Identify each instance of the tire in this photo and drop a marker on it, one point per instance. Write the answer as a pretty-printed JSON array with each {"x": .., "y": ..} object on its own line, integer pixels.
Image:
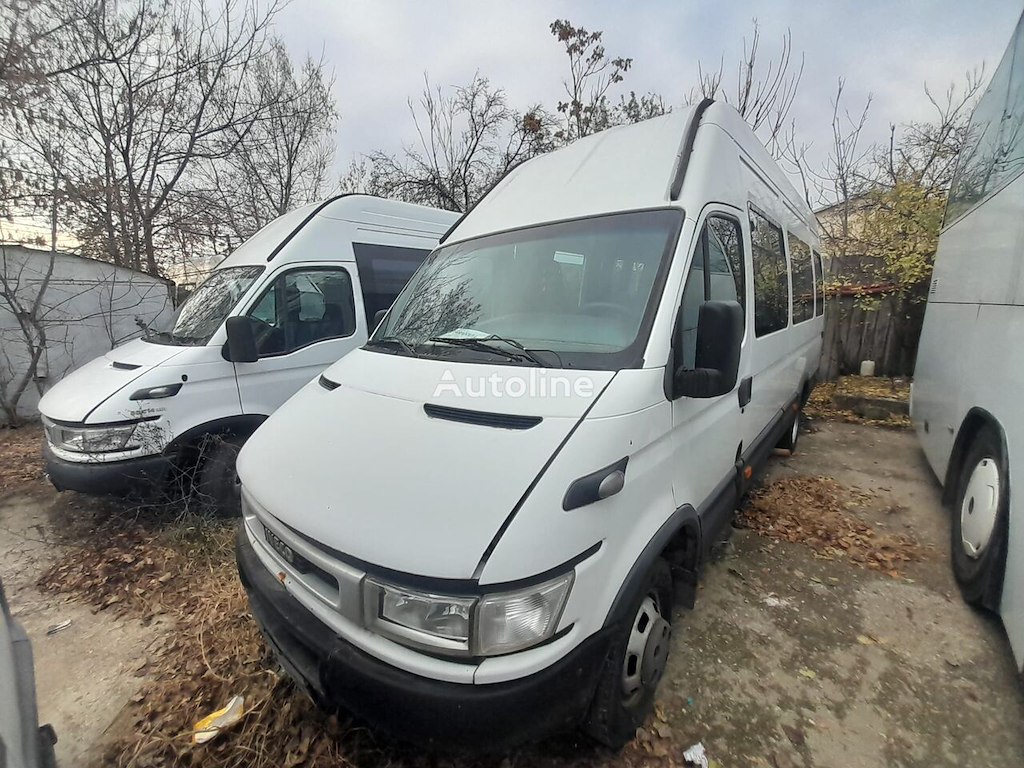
[
  {"x": 980, "y": 521},
  {"x": 789, "y": 440},
  {"x": 217, "y": 488},
  {"x": 622, "y": 700}
]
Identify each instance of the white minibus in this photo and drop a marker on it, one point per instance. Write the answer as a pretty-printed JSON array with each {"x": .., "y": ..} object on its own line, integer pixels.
[
  {"x": 472, "y": 530},
  {"x": 970, "y": 361},
  {"x": 291, "y": 300}
]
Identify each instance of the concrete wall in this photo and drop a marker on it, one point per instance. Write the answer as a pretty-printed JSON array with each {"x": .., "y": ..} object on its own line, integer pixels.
[{"x": 88, "y": 308}]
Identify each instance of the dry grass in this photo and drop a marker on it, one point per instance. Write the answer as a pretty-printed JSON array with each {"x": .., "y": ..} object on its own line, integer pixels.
[
  {"x": 821, "y": 404},
  {"x": 20, "y": 458},
  {"x": 156, "y": 563},
  {"x": 821, "y": 513}
]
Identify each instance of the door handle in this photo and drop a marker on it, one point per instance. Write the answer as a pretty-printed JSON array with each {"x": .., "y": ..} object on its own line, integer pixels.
[{"x": 744, "y": 391}]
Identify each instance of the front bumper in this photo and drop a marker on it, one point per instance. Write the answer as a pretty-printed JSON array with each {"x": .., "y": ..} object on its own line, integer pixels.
[
  {"x": 115, "y": 478},
  {"x": 490, "y": 717}
]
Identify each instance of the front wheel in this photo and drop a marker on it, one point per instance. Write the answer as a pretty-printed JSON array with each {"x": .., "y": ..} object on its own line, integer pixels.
[
  {"x": 635, "y": 662},
  {"x": 980, "y": 515},
  {"x": 217, "y": 487}
]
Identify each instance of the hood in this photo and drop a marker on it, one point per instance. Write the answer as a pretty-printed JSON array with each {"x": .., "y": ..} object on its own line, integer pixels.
[
  {"x": 366, "y": 469},
  {"x": 75, "y": 396}
]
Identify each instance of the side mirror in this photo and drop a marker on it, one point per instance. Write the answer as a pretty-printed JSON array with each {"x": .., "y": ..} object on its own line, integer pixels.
[
  {"x": 717, "y": 363},
  {"x": 241, "y": 346},
  {"x": 378, "y": 316}
]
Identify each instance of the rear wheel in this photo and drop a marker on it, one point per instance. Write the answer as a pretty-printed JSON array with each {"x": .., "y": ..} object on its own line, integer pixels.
[
  {"x": 635, "y": 662},
  {"x": 979, "y": 525},
  {"x": 788, "y": 441},
  {"x": 217, "y": 486}
]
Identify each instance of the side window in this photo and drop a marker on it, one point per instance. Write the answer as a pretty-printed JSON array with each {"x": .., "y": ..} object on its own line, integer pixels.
[
  {"x": 716, "y": 273},
  {"x": 302, "y": 307},
  {"x": 803, "y": 279},
  {"x": 383, "y": 272},
  {"x": 819, "y": 284},
  {"x": 771, "y": 276}
]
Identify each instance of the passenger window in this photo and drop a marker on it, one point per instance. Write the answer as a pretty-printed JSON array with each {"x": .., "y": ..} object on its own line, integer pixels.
[
  {"x": 303, "y": 307},
  {"x": 803, "y": 279},
  {"x": 383, "y": 272},
  {"x": 819, "y": 284},
  {"x": 716, "y": 273},
  {"x": 771, "y": 276}
]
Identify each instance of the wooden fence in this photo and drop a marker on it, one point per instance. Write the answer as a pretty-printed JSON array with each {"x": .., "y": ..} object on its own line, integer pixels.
[{"x": 879, "y": 330}]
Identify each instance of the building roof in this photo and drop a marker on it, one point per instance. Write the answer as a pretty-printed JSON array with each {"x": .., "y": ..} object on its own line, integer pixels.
[{"x": 41, "y": 252}]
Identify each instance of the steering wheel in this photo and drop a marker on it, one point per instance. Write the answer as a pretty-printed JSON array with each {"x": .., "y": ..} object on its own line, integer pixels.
[{"x": 605, "y": 308}]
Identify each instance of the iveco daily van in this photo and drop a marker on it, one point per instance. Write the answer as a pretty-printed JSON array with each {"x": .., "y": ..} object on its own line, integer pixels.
[
  {"x": 287, "y": 303},
  {"x": 474, "y": 527}
]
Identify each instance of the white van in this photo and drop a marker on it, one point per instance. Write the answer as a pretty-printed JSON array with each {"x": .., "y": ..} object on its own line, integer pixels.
[
  {"x": 475, "y": 527},
  {"x": 291, "y": 300}
]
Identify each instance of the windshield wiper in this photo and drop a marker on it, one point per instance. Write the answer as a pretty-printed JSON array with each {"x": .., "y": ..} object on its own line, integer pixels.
[
  {"x": 152, "y": 335},
  {"x": 402, "y": 344},
  {"x": 530, "y": 354},
  {"x": 481, "y": 345}
]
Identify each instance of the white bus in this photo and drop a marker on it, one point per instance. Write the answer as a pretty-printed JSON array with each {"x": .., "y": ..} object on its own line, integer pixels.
[{"x": 970, "y": 364}]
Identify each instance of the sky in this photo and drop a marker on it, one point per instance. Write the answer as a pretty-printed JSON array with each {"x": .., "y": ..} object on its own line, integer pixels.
[{"x": 379, "y": 51}]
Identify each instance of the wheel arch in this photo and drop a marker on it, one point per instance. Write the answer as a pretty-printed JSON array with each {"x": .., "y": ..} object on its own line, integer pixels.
[
  {"x": 806, "y": 388},
  {"x": 678, "y": 541},
  {"x": 977, "y": 418},
  {"x": 243, "y": 425}
]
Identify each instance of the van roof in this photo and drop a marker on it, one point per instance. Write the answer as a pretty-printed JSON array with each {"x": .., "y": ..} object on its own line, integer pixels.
[
  {"x": 373, "y": 215},
  {"x": 628, "y": 167}
]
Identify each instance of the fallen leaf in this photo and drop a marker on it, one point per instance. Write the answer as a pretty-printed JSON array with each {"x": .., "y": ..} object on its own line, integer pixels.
[{"x": 795, "y": 735}]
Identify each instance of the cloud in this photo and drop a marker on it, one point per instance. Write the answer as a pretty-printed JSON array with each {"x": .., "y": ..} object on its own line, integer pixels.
[{"x": 380, "y": 50}]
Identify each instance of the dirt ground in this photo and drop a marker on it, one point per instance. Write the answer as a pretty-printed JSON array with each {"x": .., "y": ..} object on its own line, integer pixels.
[
  {"x": 86, "y": 672},
  {"x": 792, "y": 657},
  {"x": 793, "y": 660}
]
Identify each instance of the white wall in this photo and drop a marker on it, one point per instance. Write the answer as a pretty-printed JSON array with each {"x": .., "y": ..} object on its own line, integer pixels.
[{"x": 88, "y": 308}]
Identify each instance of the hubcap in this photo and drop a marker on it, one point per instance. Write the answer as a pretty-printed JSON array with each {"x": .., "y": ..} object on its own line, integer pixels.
[
  {"x": 980, "y": 507},
  {"x": 646, "y": 650}
]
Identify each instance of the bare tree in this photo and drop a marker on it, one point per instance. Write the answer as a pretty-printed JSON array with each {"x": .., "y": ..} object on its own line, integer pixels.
[
  {"x": 282, "y": 159},
  {"x": 164, "y": 92},
  {"x": 592, "y": 75},
  {"x": 466, "y": 140},
  {"x": 764, "y": 91}
]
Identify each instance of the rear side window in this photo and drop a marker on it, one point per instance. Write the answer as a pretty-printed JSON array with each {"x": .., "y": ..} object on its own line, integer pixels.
[
  {"x": 819, "y": 283},
  {"x": 383, "y": 272},
  {"x": 803, "y": 279},
  {"x": 771, "y": 276},
  {"x": 716, "y": 274}
]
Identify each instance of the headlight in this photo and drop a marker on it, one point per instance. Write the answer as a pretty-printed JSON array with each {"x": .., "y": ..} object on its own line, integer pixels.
[
  {"x": 91, "y": 439},
  {"x": 418, "y": 618},
  {"x": 515, "y": 620},
  {"x": 467, "y": 626}
]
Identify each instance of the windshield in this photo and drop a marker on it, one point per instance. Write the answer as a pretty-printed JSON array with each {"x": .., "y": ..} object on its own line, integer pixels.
[
  {"x": 576, "y": 294},
  {"x": 204, "y": 311}
]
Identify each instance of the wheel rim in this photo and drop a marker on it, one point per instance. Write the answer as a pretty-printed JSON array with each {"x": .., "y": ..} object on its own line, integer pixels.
[
  {"x": 795, "y": 431},
  {"x": 980, "y": 507},
  {"x": 646, "y": 650}
]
